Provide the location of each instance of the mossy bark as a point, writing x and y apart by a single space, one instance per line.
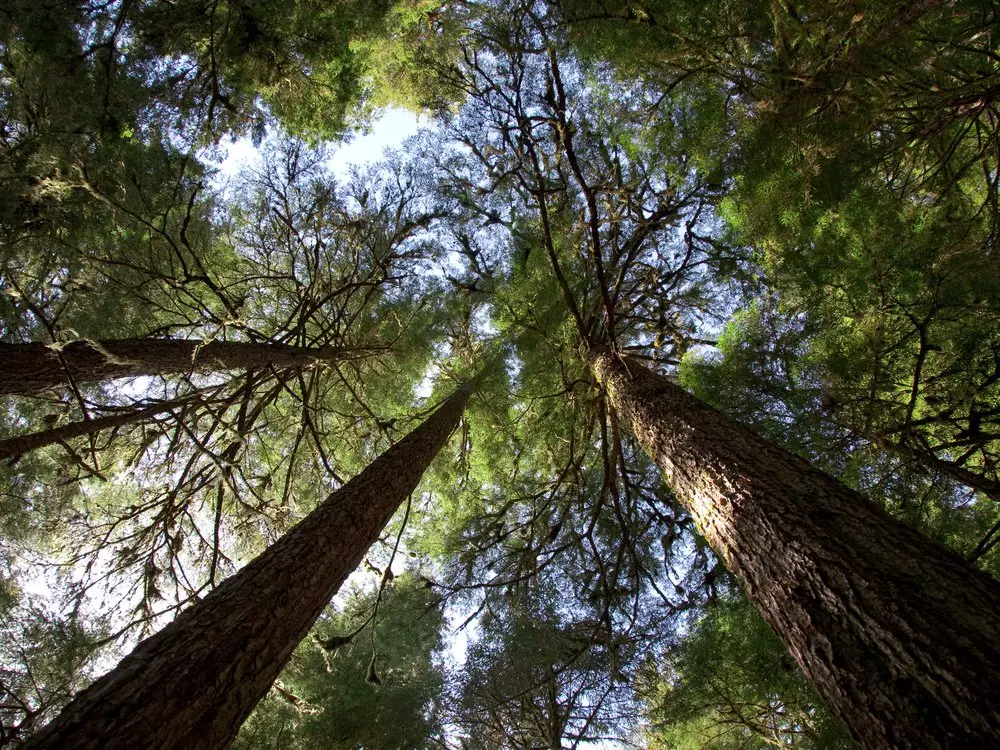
898 635
31 368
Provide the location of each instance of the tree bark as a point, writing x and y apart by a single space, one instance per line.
898 635
957 473
192 685
16 446
35 367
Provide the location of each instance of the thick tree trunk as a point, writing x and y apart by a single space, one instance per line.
899 636
30 368
191 685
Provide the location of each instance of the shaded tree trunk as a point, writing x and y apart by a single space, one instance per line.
898 635
16 446
30 368
192 685
956 472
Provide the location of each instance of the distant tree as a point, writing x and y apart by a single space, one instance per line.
534 679
44 660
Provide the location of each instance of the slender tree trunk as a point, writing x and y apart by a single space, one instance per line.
30 368
16 446
956 472
898 635
191 685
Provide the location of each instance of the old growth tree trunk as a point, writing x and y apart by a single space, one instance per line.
191 686
898 635
30 368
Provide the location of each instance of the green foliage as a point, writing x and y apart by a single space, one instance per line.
731 684
768 373
326 700
44 660
243 455
408 57
825 170
535 678
196 65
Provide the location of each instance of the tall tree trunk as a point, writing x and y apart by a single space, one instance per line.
30 368
192 685
17 445
898 635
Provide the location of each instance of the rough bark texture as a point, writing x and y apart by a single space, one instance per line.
191 685
30 368
899 636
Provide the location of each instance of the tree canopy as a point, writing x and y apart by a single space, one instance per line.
790 209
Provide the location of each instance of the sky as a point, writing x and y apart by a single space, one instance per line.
388 131
385 133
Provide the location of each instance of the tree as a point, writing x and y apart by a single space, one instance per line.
370 675
193 683
36 367
592 226
905 183
838 161
895 633
303 261
871 205
16 446
731 684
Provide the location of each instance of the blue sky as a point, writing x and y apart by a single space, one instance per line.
388 131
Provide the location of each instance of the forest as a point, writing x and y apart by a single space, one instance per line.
647 397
